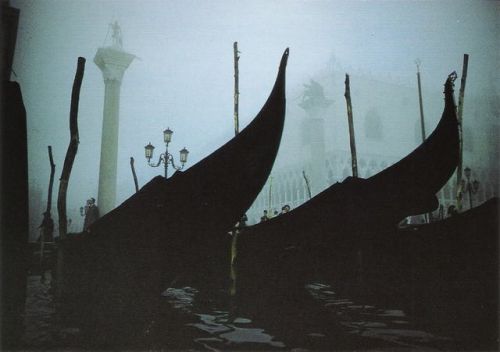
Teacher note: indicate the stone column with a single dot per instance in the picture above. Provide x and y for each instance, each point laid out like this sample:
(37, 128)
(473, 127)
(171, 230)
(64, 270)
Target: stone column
(113, 62)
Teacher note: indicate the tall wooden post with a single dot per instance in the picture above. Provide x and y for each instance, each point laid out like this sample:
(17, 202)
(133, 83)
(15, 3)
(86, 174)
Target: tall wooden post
(66, 171)
(420, 102)
(460, 108)
(352, 139)
(47, 216)
(72, 149)
(234, 239)
(422, 120)
(133, 174)
(236, 88)
(51, 181)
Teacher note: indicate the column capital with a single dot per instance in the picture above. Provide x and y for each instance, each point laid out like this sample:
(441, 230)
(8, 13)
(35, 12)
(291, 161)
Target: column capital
(113, 62)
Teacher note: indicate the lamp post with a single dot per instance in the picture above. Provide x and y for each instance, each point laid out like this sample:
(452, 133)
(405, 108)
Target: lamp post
(166, 158)
(471, 187)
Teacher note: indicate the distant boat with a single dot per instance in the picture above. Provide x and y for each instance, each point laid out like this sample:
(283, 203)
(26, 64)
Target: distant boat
(341, 215)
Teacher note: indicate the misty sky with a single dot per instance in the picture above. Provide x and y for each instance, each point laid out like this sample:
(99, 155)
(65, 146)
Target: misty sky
(183, 76)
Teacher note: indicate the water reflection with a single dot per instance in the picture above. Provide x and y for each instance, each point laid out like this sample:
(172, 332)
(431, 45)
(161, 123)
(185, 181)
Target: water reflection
(205, 319)
(226, 330)
(214, 317)
(391, 325)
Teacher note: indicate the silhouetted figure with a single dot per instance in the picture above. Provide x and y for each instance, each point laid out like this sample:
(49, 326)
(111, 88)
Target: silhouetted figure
(243, 221)
(47, 227)
(91, 213)
(452, 211)
(264, 217)
(285, 209)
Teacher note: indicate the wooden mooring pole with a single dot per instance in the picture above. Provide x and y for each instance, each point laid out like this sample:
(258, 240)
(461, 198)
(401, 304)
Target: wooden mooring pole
(66, 171)
(236, 88)
(72, 149)
(47, 218)
(234, 239)
(420, 102)
(51, 181)
(352, 139)
(134, 174)
(460, 108)
(422, 120)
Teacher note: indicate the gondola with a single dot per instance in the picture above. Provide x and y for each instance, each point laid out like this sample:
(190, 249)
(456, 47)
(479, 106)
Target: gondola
(212, 194)
(444, 274)
(442, 277)
(170, 226)
(340, 216)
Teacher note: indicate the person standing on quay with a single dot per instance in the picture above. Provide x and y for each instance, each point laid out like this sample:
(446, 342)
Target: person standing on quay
(91, 213)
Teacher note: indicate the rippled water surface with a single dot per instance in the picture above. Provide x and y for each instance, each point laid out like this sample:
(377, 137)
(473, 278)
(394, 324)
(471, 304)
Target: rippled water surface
(195, 319)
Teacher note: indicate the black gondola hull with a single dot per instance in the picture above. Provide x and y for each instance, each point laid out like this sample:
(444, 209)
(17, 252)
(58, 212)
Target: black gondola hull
(168, 229)
(342, 215)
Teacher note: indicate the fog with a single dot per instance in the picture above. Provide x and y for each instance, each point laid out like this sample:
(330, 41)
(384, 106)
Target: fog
(183, 75)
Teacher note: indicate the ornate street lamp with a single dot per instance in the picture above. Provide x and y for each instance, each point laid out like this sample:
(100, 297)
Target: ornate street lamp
(470, 186)
(183, 155)
(167, 135)
(149, 151)
(166, 158)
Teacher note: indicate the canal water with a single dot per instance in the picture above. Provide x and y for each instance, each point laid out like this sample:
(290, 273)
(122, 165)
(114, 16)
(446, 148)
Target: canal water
(209, 320)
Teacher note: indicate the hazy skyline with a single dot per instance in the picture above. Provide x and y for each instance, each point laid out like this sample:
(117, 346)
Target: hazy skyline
(183, 77)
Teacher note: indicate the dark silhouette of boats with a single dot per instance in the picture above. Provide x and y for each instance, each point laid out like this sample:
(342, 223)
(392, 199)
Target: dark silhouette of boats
(342, 214)
(177, 229)
(170, 227)
(212, 194)
(442, 277)
(444, 272)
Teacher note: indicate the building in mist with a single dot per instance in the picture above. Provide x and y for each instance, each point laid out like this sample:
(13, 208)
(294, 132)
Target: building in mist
(113, 61)
(387, 128)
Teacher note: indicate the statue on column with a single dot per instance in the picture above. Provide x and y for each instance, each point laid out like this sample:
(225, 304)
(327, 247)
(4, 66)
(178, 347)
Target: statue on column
(314, 97)
(117, 35)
